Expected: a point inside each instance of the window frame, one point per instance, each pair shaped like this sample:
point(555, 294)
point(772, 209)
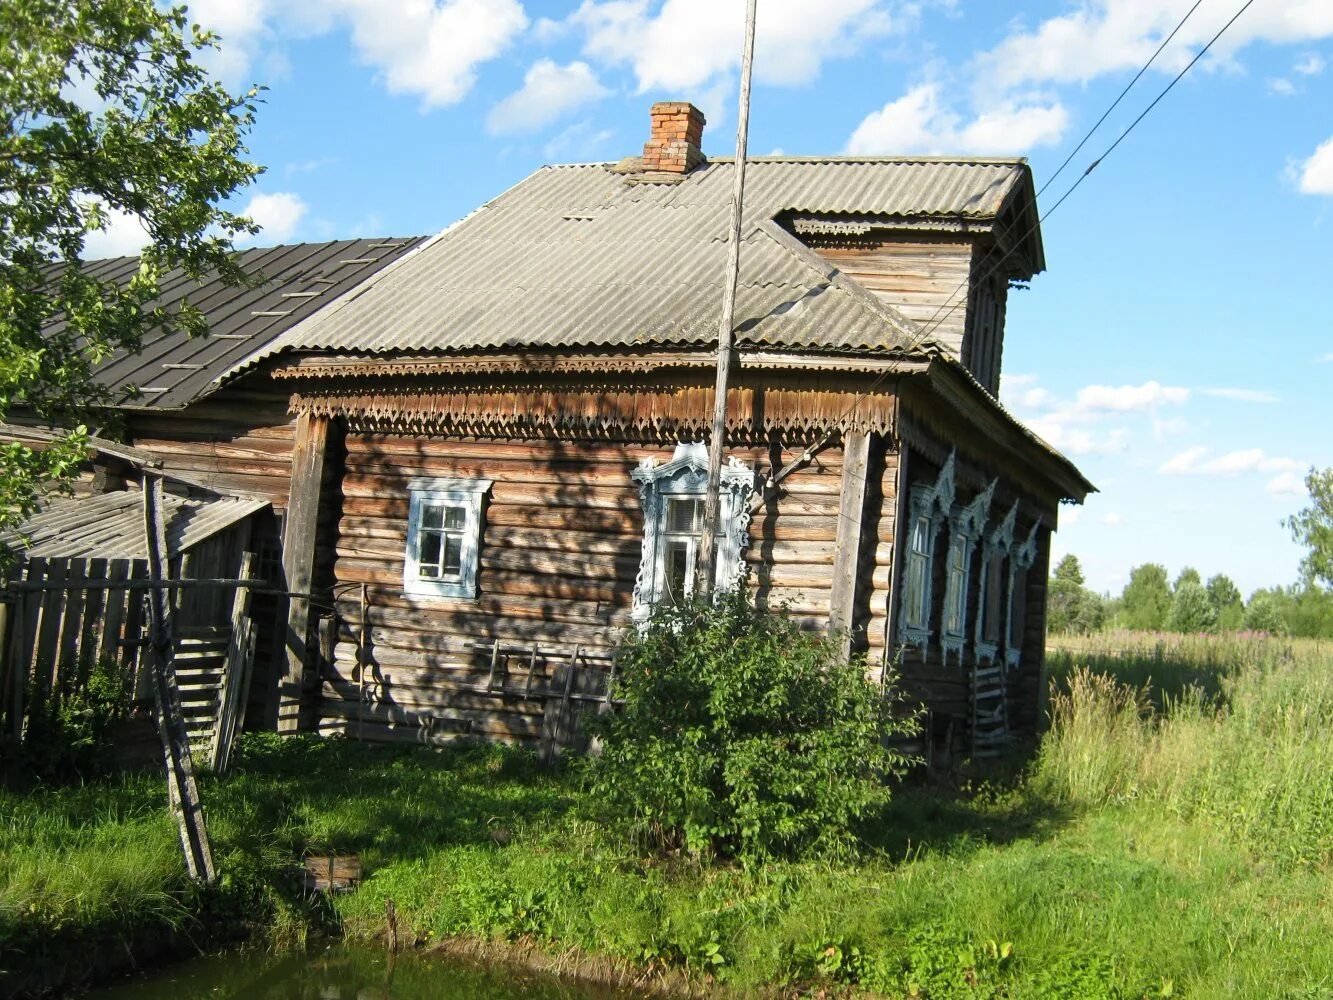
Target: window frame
point(467, 494)
point(685, 476)
point(966, 526)
point(929, 504)
point(998, 548)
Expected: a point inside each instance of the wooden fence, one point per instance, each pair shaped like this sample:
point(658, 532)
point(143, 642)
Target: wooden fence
point(64, 617)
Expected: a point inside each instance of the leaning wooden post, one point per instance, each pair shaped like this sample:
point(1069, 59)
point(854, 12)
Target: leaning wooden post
point(235, 688)
point(298, 559)
point(847, 549)
point(707, 556)
point(181, 790)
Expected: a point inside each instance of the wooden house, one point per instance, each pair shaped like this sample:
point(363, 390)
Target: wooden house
point(501, 436)
point(487, 448)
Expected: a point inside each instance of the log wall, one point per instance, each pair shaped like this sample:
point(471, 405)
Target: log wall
point(240, 441)
point(920, 279)
point(560, 550)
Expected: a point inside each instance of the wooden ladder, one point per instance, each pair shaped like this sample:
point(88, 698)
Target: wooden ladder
point(201, 657)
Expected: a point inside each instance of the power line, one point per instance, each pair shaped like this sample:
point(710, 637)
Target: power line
point(938, 319)
point(1116, 103)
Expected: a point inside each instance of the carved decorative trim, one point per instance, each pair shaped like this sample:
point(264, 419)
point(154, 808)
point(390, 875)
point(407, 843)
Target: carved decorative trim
point(966, 526)
point(687, 473)
point(392, 366)
point(933, 502)
point(654, 414)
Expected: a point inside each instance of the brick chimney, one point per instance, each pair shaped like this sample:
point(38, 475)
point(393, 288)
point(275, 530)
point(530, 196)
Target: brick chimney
point(677, 131)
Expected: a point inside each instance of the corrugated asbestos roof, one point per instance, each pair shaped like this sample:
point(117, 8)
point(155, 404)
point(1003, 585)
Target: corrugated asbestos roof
point(589, 256)
point(111, 526)
point(173, 369)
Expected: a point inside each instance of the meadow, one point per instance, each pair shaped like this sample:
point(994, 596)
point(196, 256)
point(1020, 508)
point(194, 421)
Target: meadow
point(1171, 835)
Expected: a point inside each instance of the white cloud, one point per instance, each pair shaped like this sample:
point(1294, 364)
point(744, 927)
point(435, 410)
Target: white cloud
point(579, 143)
point(684, 44)
point(427, 48)
point(919, 122)
point(1078, 440)
point(1112, 519)
point(548, 92)
point(1317, 172)
point(1126, 398)
point(1288, 484)
point(1196, 461)
point(1327, 357)
point(1070, 516)
point(1311, 64)
point(124, 236)
point(1104, 36)
point(1282, 86)
point(1244, 395)
point(277, 216)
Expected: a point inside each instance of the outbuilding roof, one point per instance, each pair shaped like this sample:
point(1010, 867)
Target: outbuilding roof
point(595, 255)
point(173, 369)
point(111, 526)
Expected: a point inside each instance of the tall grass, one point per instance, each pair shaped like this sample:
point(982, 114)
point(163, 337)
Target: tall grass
point(1171, 836)
point(1237, 731)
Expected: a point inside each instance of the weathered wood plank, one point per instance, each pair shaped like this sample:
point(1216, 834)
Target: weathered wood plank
point(299, 541)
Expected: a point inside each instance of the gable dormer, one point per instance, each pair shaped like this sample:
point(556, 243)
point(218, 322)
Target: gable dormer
point(950, 274)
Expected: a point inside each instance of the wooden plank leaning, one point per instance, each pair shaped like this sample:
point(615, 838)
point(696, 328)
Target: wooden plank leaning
point(235, 674)
point(182, 793)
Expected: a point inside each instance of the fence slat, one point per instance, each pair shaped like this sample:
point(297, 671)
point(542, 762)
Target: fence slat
point(108, 645)
point(46, 649)
point(91, 614)
point(71, 627)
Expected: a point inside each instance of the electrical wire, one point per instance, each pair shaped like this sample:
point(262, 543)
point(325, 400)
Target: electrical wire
point(935, 321)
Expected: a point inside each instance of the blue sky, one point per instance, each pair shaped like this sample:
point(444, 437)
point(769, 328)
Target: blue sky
point(1180, 346)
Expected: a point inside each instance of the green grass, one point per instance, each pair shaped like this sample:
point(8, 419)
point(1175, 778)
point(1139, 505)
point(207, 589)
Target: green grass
point(1169, 842)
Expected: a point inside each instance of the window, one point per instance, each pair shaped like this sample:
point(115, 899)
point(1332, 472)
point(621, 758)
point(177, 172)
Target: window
point(955, 591)
point(443, 537)
point(672, 496)
point(929, 506)
point(993, 609)
point(966, 525)
point(917, 602)
point(682, 528)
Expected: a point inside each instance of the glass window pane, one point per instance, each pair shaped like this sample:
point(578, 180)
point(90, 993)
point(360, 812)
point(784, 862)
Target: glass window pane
point(431, 515)
point(683, 515)
point(916, 590)
point(429, 554)
point(453, 555)
point(921, 535)
point(455, 518)
point(677, 576)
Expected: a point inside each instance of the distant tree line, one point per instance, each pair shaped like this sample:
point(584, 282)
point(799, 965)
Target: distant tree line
point(1152, 602)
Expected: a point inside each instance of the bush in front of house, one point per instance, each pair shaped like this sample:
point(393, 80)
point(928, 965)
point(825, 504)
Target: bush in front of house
point(742, 735)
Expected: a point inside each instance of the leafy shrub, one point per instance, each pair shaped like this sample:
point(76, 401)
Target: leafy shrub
point(71, 734)
point(743, 735)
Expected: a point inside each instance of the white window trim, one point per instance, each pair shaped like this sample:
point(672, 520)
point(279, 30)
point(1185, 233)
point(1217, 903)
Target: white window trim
point(999, 544)
point(687, 475)
point(965, 528)
point(467, 493)
point(1020, 562)
point(932, 502)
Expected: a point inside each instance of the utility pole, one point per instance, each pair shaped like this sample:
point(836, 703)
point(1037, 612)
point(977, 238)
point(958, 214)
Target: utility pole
point(707, 557)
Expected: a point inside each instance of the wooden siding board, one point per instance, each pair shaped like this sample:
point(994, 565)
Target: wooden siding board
point(559, 555)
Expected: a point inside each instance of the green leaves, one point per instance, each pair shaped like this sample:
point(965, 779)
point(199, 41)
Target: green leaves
point(104, 114)
point(743, 735)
